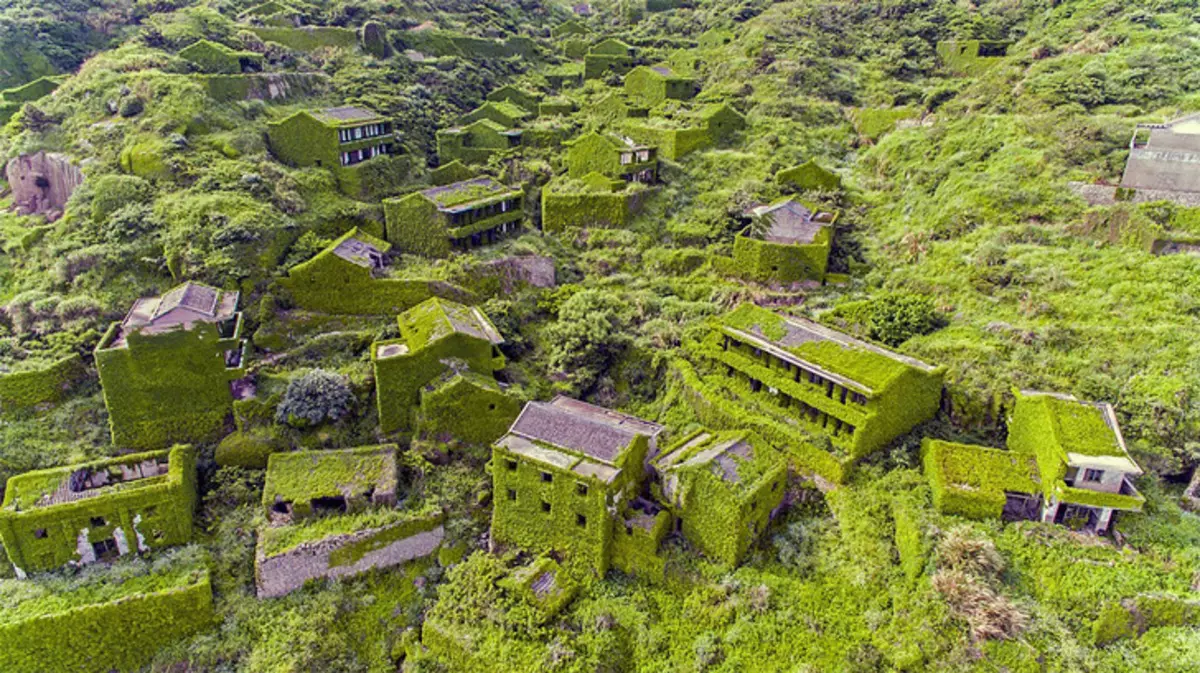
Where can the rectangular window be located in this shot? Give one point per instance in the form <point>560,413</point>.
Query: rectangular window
<point>581,488</point>
<point>547,477</point>
<point>626,158</point>
<point>545,507</point>
<point>1093,475</point>
<point>580,520</point>
<point>512,495</point>
<point>511,464</point>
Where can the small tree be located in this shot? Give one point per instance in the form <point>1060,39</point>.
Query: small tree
<point>315,397</point>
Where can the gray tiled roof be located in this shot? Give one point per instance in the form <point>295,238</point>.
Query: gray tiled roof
<point>584,428</point>
<point>791,222</point>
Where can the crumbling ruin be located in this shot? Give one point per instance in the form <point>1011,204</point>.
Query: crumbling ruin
<point>41,183</point>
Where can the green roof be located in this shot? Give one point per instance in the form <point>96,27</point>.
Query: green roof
<point>435,319</point>
<point>470,191</point>
<point>861,365</point>
<point>1081,427</point>
<point>347,115</point>
<point>304,475</point>
<point>970,468</point>
<point>739,459</point>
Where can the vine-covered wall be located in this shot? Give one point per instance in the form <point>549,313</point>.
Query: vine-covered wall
<point>585,208</point>
<point>651,88</point>
<point>45,385</point>
<point>120,635</point>
<point>167,388</point>
<point>415,226</point>
<point>308,38</point>
<point>466,406</point>
<point>768,261</point>
<point>149,515</point>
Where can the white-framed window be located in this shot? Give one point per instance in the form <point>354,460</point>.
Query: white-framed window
<point>644,155</point>
<point>1093,475</point>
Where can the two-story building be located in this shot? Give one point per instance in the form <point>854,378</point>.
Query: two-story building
<point>340,139</point>
<point>564,476</point>
<point>436,336</point>
<point>457,216</point>
<point>792,245</point>
<point>609,56</point>
<point>856,395</point>
<point>171,368</point>
<point>1066,463</point>
<point>614,157</point>
<point>723,488</point>
<point>99,510</point>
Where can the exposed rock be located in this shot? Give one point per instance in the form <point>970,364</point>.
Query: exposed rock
<point>42,183</point>
<point>534,270</point>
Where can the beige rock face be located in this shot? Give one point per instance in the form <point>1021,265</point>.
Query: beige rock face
<point>42,183</point>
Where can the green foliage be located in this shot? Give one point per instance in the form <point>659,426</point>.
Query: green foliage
<point>250,449</point>
<point>809,177</point>
<point>113,192</point>
<point>971,481</point>
<point>315,397</point>
<point>588,337</point>
<point>44,385</point>
<point>466,406</point>
<point>894,317</point>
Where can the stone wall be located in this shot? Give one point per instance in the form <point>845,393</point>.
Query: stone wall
<point>41,183</point>
<point>284,573</point>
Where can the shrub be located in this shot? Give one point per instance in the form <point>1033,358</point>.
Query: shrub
<point>113,192</point>
<point>989,615</point>
<point>131,107</point>
<point>315,397</point>
<point>961,550</point>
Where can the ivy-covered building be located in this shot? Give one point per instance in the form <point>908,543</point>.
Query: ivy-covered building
<point>723,488</point>
<point>215,58</point>
<point>565,477</point>
<point>793,245</point>
<point>1066,463</point>
<point>652,85</point>
<point>594,200</point>
<point>342,139</point>
<point>335,514</point>
<point>353,276</point>
<point>171,368</point>
<point>99,510</point>
<point>509,115</point>
<point>612,156</point>
<point>608,56</point>
<point>516,96</point>
<point>458,216</point>
<point>970,57</point>
<point>854,396</point>
<point>436,336</point>
<point>679,131</point>
<point>477,141</point>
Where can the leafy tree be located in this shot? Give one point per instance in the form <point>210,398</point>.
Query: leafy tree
<point>589,336</point>
<point>897,317</point>
<point>315,397</point>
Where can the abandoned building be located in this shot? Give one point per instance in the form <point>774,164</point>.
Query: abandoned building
<point>215,58</point>
<point>563,475</point>
<point>171,369</point>
<point>1164,162</point>
<point>1066,463</point>
<point>99,510</point>
<point>856,394</point>
<point>652,85</point>
<point>303,484</point>
<point>334,513</point>
<point>723,488</point>
<point>511,94</point>
<point>609,56</point>
<point>476,141</point>
<point>340,139</point>
<point>614,157</point>
<point>784,242</point>
<point>457,216</point>
<point>435,335</point>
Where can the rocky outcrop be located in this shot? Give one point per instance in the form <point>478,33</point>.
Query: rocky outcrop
<point>533,270</point>
<point>41,183</point>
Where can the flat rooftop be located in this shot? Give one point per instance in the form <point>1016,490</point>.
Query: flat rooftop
<point>461,196</point>
<point>347,115</point>
<point>60,485</point>
<point>791,222</point>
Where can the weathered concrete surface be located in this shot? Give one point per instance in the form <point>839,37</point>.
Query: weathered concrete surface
<point>1106,195</point>
<point>41,183</point>
<point>283,574</point>
<point>534,270</point>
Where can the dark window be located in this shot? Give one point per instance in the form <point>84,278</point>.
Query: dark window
<point>99,522</point>
<point>774,487</point>
<point>545,507</point>
<point>547,477</point>
<point>1093,475</point>
<point>580,520</point>
<point>512,495</point>
<point>158,535</point>
<point>512,465</point>
<point>753,505</point>
<point>40,533</point>
<point>328,505</point>
<point>581,488</point>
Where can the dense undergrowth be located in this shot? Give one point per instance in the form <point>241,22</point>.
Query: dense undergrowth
<point>961,240</point>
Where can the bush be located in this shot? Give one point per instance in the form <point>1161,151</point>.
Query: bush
<point>113,192</point>
<point>131,107</point>
<point>315,397</point>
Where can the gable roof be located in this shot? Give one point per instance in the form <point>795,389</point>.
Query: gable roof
<point>1081,432</point>
<point>791,222</point>
<point>853,363</point>
<point>435,319</point>
<point>183,305</point>
<point>739,459</point>
<point>583,428</point>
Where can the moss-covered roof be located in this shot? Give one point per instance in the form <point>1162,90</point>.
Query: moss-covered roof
<point>861,365</point>
<point>740,459</point>
<point>304,475</point>
<point>970,468</point>
<point>1079,428</point>
<point>460,195</point>
<point>347,115</point>
<point>435,319</point>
